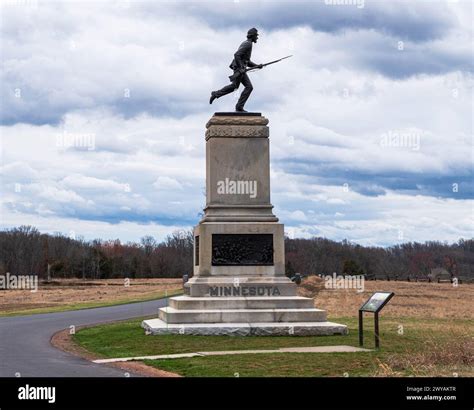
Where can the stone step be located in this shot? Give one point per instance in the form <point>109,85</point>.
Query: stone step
<point>206,303</point>
<point>158,327</point>
<point>172,315</point>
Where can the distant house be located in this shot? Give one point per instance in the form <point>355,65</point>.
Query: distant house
<point>438,274</point>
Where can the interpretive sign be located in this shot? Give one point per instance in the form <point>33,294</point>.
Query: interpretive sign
<point>373,305</point>
<point>377,301</point>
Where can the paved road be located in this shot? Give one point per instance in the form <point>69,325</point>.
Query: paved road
<point>25,341</point>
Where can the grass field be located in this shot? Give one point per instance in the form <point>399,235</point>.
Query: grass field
<point>71,294</point>
<point>426,347</point>
<point>430,341</point>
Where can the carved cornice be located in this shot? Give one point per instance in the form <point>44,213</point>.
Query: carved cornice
<point>233,131</point>
<point>236,120</point>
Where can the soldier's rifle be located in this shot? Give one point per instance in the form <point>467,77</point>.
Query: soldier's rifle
<point>238,73</point>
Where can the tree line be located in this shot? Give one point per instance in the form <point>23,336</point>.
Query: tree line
<point>24,251</point>
<point>411,259</point>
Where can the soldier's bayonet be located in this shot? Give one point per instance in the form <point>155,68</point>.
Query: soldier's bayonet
<point>234,76</point>
<point>271,62</point>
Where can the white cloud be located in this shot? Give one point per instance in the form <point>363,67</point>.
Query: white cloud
<point>130,87</point>
<point>381,220</point>
<point>83,182</point>
<point>167,183</point>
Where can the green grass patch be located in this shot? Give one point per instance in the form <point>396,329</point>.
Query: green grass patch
<point>274,364</point>
<point>127,339</point>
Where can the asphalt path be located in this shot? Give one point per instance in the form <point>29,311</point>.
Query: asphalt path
<point>26,350</point>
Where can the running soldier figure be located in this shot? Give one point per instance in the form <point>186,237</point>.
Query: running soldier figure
<point>239,64</point>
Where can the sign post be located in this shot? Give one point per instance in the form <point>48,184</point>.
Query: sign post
<point>373,305</point>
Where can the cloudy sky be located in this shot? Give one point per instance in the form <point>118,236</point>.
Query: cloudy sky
<point>104,105</point>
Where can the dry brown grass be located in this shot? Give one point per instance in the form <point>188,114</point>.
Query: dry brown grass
<point>66,292</point>
<point>443,358</point>
<point>310,287</point>
<point>412,299</point>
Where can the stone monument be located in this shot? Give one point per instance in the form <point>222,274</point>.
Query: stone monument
<point>239,285</point>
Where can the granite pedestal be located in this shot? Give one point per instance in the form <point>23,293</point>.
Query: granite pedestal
<point>239,285</point>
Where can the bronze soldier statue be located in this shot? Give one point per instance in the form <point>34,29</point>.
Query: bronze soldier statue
<point>239,64</point>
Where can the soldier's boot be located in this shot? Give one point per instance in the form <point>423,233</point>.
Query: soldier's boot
<point>213,97</point>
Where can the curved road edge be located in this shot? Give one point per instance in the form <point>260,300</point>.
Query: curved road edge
<point>25,341</point>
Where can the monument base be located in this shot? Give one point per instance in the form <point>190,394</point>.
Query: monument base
<point>227,312</point>
<point>159,327</point>
<point>239,286</point>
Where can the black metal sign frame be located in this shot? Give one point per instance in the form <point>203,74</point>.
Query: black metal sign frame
<point>376,311</point>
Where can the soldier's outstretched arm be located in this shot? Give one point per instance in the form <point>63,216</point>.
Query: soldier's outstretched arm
<point>254,65</point>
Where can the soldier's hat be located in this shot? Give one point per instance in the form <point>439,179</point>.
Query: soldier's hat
<point>252,32</point>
